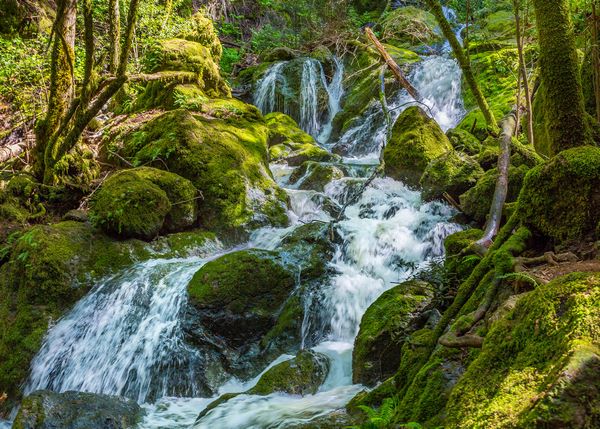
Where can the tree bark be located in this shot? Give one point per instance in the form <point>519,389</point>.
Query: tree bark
<point>114,29</point>
<point>62,85</point>
<point>495,215</point>
<point>596,59</point>
<point>394,67</point>
<point>464,62</point>
<point>559,71</point>
<point>523,70</point>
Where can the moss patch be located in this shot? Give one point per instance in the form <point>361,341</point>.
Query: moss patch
<point>416,140</point>
<point>454,173</point>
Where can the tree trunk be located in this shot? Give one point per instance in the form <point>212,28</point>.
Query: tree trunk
<point>523,70</point>
<point>596,59</point>
<point>559,71</point>
<point>114,29</point>
<point>464,62</point>
<point>62,83</point>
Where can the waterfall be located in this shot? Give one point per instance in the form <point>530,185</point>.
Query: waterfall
<point>274,93</point>
<point>126,338</point>
<point>265,94</point>
<point>438,80</point>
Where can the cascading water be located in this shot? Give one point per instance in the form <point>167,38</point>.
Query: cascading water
<point>125,337</point>
<point>275,92</point>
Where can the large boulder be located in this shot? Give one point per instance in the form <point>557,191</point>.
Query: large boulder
<point>453,172</point>
<point>410,26</point>
<point>561,198</point>
<point>142,202</point>
<point>226,159</point>
<point>416,141</point>
<point>302,375</point>
<point>239,295</point>
<point>383,331</point>
<point>77,410</point>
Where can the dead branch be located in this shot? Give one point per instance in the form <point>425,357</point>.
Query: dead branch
<point>394,67</point>
<point>466,341</point>
<point>495,214</point>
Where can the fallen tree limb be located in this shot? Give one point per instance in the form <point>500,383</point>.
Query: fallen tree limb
<point>495,214</point>
<point>466,341</point>
<point>394,67</point>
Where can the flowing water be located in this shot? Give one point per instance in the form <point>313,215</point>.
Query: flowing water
<point>126,337</point>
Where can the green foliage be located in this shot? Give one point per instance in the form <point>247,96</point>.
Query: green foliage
<point>231,56</point>
<point>24,74</point>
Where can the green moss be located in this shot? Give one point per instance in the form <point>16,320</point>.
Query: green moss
<point>203,31</point>
<point>460,262</point>
<point>225,159</point>
<point>179,55</point>
<point>49,268</point>
<point>383,330</point>
<point>267,283</point>
<point>464,141</point>
<point>532,361</point>
<point>453,173</point>
<point>477,200</point>
<point>302,375</point>
<point>410,26</point>
<point>416,140</point>
<point>142,202</point>
<point>560,198</point>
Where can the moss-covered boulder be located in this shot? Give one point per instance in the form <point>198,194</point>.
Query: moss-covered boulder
<point>477,200</point>
<point>383,330</point>
<point>410,26</point>
<point>226,159</point>
<point>48,269</point>
<point>201,29</point>
<point>142,202</point>
<point>311,245</point>
<point>77,410</point>
<point>315,175</point>
<point>416,141</point>
<point>302,375</point>
<point>287,142</point>
<point>540,364</point>
<point>464,141</point>
<point>180,55</point>
<point>453,173</point>
<point>561,198</point>
<point>238,296</point>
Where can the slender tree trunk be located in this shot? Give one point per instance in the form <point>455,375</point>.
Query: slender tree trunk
<point>523,70</point>
<point>62,83</point>
<point>464,62</point>
<point>596,59</point>
<point>559,70</point>
<point>114,29</point>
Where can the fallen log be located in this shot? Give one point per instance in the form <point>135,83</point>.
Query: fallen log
<point>394,67</point>
<point>11,151</point>
<point>501,191</point>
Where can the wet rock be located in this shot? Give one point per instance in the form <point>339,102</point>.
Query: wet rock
<point>416,141</point>
<point>76,410</point>
<point>383,330</point>
<point>302,375</point>
<point>315,176</point>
